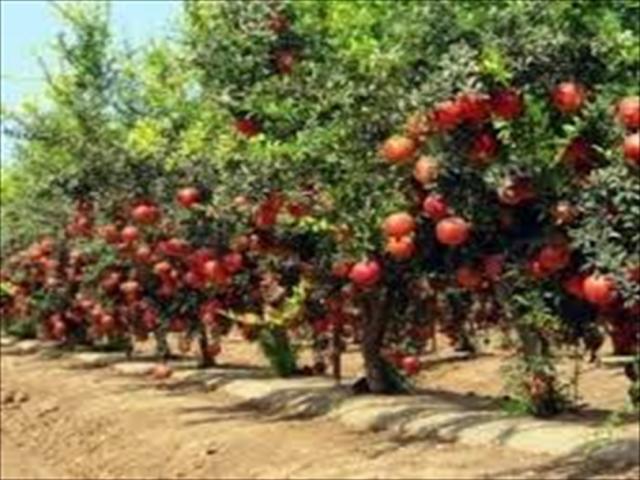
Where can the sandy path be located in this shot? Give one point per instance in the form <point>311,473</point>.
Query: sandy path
<point>92,424</point>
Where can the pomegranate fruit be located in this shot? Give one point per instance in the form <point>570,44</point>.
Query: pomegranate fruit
<point>452,231</point>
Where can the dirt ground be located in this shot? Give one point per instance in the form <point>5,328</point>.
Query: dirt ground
<point>62,422</point>
<point>600,388</point>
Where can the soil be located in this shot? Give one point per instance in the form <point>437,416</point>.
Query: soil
<point>63,422</point>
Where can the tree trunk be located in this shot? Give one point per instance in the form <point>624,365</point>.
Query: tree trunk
<point>374,327</point>
<point>203,341</point>
<point>336,353</point>
<point>162,346</point>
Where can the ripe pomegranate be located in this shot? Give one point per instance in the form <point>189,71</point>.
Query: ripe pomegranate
<point>188,197</point>
<point>401,248</point>
<point>398,149</point>
<point>628,112</point>
<point>215,272</point>
<point>426,170</point>
<point>599,289</point>
<point>484,148</point>
<point>232,262</point>
<point>145,214</point>
<point>109,233</point>
<point>410,365</point>
<point>536,270</point>
<point>568,97</point>
<point>447,115</point>
<point>174,247</point>
<point>507,104</point>
<point>161,372</point>
<point>143,254</point>
<point>474,107</point>
<point>247,127</point>
<point>297,209</point>
<point>130,287</point>
<point>631,149</point>
<point>574,285</point>
<point>435,206</point>
<point>452,231</point>
<point>365,273</point>
<point>398,225</point>
<point>129,234</point>
<point>341,268</point>
<point>194,280</point>
<point>469,278</point>
<point>162,269</point>
<point>554,257</point>
<point>107,323</point>
<point>579,155</point>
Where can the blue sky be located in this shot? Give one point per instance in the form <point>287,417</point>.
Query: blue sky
<point>28,26</point>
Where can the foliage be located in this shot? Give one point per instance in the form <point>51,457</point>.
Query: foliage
<point>289,120</point>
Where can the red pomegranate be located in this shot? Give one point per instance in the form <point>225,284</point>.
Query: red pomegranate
<point>579,155</point>
<point>145,214</point>
<point>341,268</point>
<point>174,247</point>
<point>398,149</point>
<point>628,112</point>
<point>536,270</point>
<point>143,254</point>
<point>568,97</point>
<point>599,289</point>
<point>188,197</point>
<point>453,231</point>
<point>109,233</point>
<point>435,206</point>
<point>215,272</point>
<point>232,262</point>
<point>365,273</point>
<point>507,104</point>
<point>484,148</point>
<point>247,127</point>
<point>398,225</point>
<point>631,149</point>
<point>469,278</point>
<point>474,107</point>
<point>447,115</point>
<point>401,248</point>
<point>574,285</point>
<point>129,234</point>
<point>554,257</point>
<point>410,365</point>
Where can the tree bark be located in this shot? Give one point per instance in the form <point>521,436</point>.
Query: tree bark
<point>336,353</point>
<point>374,327</point>
<point>162,346</point>
<point>203,341</point>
